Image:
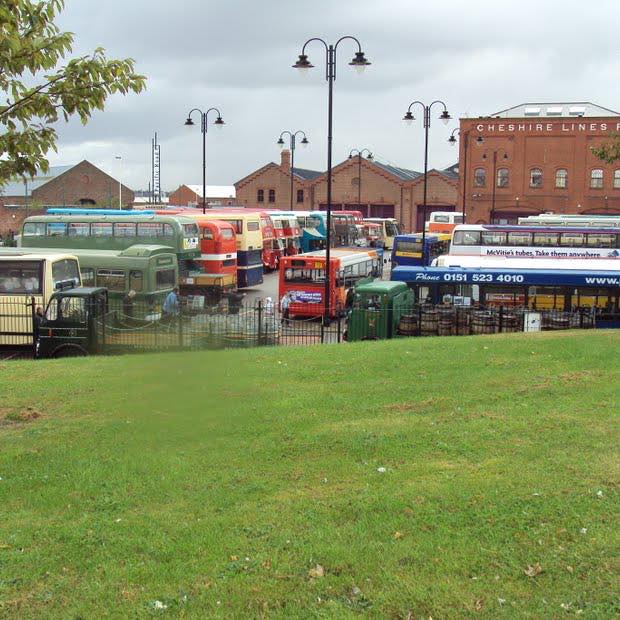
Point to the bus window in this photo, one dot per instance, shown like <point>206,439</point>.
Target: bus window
<point>237,225</point>
<point>150,229</point>
<point>491,237</point>
<point>34,229</point>
<point>458,219</point>
<point>51,313</point>
<point>20,278</point>
<point>56,229</point>
<point>112,279</point>
<point>466,237</point>
<point>409,246</point>
<point>165,278</point>
<point>206,233</point>
<point>101,229</point>
<point>226,233</point>
<point>545,239</point>
<point>442,219</point>
<point>124,229</point>
<point>65,271</point>
<point>304,275</point>
<point>576,240</point>
<point>88,276</point>
<point>73,308</point>
<point>169,231</point>
<point>135,281</point>
<point>391,229</point>
<point>601,240</point>
<point>78,229</point>
<point>254,226</point>
<point>519,238</point>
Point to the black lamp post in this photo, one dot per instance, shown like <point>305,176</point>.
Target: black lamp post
<point>495,152</point>
<point>409,118</point>
<point>303,64</point>
<point>280,143</point>
<point>359,154</point>
<point>203,127</point>
<point>452,142</point>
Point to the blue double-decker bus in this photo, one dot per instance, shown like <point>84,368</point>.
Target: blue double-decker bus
<point>407,249</point>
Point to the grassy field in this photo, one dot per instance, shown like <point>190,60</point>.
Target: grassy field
<point>440,477</point>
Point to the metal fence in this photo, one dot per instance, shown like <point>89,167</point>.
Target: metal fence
<point>139,327</point>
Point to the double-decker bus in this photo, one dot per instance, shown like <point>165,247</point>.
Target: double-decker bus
<point>553,219</point>
<point>25,276</point>
<point>539,287</point>
<point>303,278</point>
<point>517,241</point>
<point>389,230</point>
<point>313,230</point>
<point>358,216</point>
<point>344,231</point>
<point>95,231</point>
<point>218,247</point>
<point>443,221</point>
<point>407,249</point>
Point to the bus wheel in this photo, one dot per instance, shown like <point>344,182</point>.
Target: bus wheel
<point>69,350</point>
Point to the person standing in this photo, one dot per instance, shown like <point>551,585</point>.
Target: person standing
<point>285,303</point>
<point>171,303</point>
<point>128,303</point>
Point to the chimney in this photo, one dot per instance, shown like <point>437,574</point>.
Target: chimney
<point>285,160</point>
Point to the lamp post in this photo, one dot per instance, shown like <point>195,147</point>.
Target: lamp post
<point>280,143</point>
<point>219,123</point>
<point>495,152</point>
<point>452,142</point>
<point>303,64</point>
<point>359,154</point>
<point>120,168</point>
<point>409,118</point>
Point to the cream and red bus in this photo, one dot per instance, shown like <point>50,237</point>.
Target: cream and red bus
<point>303,278</point>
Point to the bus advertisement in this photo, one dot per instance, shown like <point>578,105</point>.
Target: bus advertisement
<point>302,277</point>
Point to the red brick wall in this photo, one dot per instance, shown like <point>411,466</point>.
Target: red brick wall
<point>184,196</point>
<point>545,143</point>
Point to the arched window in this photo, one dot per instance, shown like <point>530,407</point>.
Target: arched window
<point>561,178</point>
<point>596,178</point>
<point>616,179</point>
<point>503,177</point>
<point>272,195</point>
<point>300,195</point>
<point>260,195</point>
<point>536,177</point>
<point>480,177</point>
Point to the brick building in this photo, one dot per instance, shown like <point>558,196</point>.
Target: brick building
<point>83,184</point>
<point>537,157</point>
<point>191,195</point>
<point>375,188</point>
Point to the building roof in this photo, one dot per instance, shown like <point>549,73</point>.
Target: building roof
<point>305,174</point>
<point>451,171</point>
<point>402,173</point>
<point>564,109</point>
<point>17,187</point>
<point>214,191</point>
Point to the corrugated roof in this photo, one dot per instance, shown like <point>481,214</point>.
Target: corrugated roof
<point>566,109</point>
<point>306,174</point>
<point>401,173</point>
<point>214,191</point>
<point>17,187</point>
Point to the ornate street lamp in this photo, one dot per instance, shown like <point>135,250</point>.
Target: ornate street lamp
<point>303,64</point>
<point>218,123</point>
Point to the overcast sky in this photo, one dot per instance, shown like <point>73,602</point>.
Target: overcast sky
<point>479,56</point>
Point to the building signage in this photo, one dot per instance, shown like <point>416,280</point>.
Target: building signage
<point>565,127</point>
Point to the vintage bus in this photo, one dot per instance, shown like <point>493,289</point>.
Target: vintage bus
<point>218,247</point>
<point>344,231</point>
<point>443,221</point>
<point>313,230</point>
<point>94,231</point>
<point>553,219</point>
<point>25,276</point>
<point>303,278</point>
<point>389,231</point>
<point>358,216</point>
<point>150,271</point>
<point>535,241</point>
<point>539,287</point>
<point>407,249</point>
<point>288,223</point>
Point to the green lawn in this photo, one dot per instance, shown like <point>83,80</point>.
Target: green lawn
<point>440,477</point>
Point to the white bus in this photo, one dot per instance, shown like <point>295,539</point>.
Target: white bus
<point>514,241</point>
<point>25,277</point>
<point>443,221</point>
<point>553,219</point>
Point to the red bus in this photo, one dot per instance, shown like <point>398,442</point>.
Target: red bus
<point>358,216</point>
<point>303,278</point>
<point>218,247</point>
